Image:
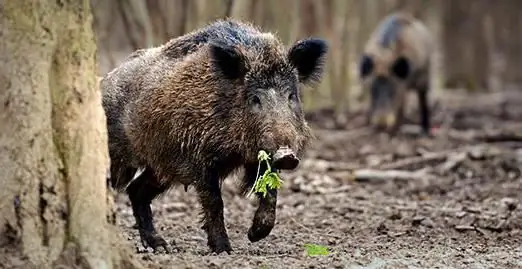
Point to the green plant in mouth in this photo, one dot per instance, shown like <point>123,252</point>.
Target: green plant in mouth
<point>269,179</point>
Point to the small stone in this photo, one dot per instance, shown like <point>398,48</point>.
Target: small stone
<point>367,149</point>
<point>460,214</point>
<point>428,223</point>
<point>417,220</point>
<point>395,216</point>
<point>382,228</point>
<point>510,203</point>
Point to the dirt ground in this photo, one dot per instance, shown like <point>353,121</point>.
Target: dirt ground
<point>454,201</point>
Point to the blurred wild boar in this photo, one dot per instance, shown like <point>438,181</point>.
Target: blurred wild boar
<point>396,59</point>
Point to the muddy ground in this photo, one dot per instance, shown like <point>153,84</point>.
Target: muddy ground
<point>454,201</point>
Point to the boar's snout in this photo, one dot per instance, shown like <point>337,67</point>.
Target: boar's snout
<point>284,158</point>
<point>384,121</point>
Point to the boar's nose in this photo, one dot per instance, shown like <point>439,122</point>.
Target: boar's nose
<point>285,159</point>
<point>386,120</point>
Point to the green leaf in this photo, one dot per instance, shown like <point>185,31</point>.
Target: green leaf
<point>269,179</point>
<point>316,250</point>
<point>273,180</point>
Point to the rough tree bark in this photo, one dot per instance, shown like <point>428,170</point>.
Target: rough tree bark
<point>53,153</point>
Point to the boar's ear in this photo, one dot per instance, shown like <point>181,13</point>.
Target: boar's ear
<point>227,60</point>
<point>307,56</point>
<point>365,65</point>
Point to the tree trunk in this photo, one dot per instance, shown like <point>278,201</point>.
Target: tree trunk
<point>53,143</point>
<point>466,55</point>
<point>507,26</point>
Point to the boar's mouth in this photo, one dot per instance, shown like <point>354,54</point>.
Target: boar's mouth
<point>284,158</point>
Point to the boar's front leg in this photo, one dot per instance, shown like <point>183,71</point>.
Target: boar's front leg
<point>209,193</point>
<point>264,218</point>
<point>141,193</point>
<point>422,95</point>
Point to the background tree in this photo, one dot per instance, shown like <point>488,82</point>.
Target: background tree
<point>477,43</point>
<point>465,48</point>
<point>53,201</point>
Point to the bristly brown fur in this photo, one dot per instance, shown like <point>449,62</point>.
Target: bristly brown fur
<point>183,110</point>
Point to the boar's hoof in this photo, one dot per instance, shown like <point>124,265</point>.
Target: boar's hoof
<point>258,232</point>
<point>285,159</point>
<point>220,245</point>
<point>426,133</point>
<point>155,241</point>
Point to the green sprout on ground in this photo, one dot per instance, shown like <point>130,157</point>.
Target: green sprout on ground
<point>269,179</point>
<point>316,250</point>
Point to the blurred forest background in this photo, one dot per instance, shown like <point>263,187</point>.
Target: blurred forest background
<point>479,42</point>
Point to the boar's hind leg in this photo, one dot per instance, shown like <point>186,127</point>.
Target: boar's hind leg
<point>264,218</point>
<point>422,94</point>
<point>141,193</point>
<point>209,193</point>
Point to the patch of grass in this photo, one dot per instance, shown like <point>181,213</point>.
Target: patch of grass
<point>316,250</point>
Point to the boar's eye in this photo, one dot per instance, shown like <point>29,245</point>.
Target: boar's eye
<point>366,66</point>
<point>255,103</point>
<point>401,68</point>
<point>292,97</point>
<point>256,100</point>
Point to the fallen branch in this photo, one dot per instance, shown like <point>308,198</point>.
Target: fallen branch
<point>453,161</point>
<point>428,157</point>
<point>365,175</point>
<point>491,137</point>
<point>500,137</point>
<point>462,228</point>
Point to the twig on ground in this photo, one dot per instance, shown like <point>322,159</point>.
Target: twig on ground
<point>500,137</point>
<point>462,228</point>
<point>485,137</point>
<point>428,157</point>
<point>365,175</point>
<point>465,136</point>
<point>453,161</point>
